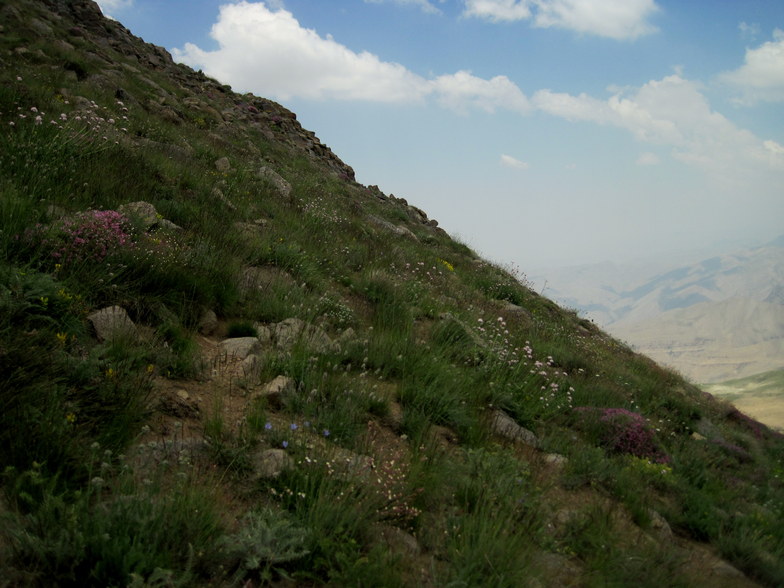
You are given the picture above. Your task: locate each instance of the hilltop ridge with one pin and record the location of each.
(226, 362)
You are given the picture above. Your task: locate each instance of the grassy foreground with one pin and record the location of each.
(389, 449)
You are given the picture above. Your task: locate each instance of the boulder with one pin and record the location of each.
(289, 332)
(111, 323)
(274, 391)
(271, 176)
(208, 323)
(223, 165)
(506, 427)
(270, 463)
(240, 347)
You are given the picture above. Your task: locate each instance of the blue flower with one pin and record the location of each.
(285, 444)
(326, 432)
(268, 426)
(293, 426)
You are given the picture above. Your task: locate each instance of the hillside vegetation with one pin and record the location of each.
(224, 362)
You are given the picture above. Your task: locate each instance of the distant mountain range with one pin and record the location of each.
(714, 320)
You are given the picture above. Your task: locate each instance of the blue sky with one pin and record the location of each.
(542, 133)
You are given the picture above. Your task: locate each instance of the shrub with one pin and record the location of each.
(622, 431)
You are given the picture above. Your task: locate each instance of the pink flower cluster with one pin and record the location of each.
(92, 235)
(624, 431)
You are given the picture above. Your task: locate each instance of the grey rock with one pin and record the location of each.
(659, 524)
(218, 194)
(396, 540)
(556, 459)
(240, 347)
(271, 176)
(514, 309)
(111, 323)
(179, 405)
(396, 229)
(142, 212)
(250, 366)
(208, 323)
(506, 427)
(724, 569)
(274, 391)
(291, 331)
(394, 417)
(270, 463)
(223, 165)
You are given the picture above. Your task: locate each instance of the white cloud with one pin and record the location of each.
(270, 53)
(670, 112)
(573, 108)
(498, 10)
(509, 161)
(110, 6)
(460, 90)
(615, 19)
(749, 31)
(648, 158)
(425, 5)
(761, 77)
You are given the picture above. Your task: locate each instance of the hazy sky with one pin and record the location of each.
(540, 132)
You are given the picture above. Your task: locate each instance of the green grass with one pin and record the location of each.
(392, 426)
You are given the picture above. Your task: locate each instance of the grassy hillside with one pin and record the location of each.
(761, 396)
(224, 362)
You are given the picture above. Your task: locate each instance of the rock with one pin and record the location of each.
(660, 525)
(558, 570)
(240, 347)
(506, 427)
(40, 27)
(218, 194)
(396, 540)
(142, 212)
(166, 224)
(291, 331)
(177, 449)
(179, 405)
(515, 310)
(275, 390)
(256, 278)
(394, 418)
(208, 323)
(271, 176)
(556, 459)
(223, 165)
(396, 229)
(351, 464)
(250, 366)
(724, 569)
(270, 463)
(111, 323)
(263, 333)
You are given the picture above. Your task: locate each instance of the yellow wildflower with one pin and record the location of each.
(447, 265)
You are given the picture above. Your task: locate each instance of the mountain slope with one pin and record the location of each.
(692, 317)
(761, 395)
(713, 341)
(225, 362)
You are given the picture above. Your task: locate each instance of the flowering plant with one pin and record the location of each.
(89, 236)
(622, 431)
